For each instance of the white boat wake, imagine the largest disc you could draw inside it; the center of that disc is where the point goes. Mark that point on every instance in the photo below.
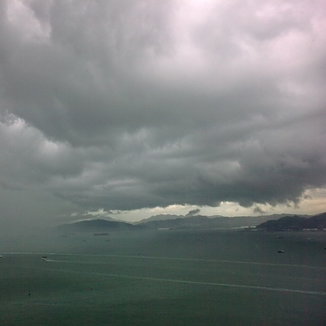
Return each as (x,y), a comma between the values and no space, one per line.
(203,283)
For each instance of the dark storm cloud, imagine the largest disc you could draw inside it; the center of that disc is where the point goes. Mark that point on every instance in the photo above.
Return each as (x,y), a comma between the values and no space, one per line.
(193,212)
(131,104)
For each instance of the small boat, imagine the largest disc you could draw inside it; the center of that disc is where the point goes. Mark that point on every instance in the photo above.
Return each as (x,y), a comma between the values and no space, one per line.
(281,251)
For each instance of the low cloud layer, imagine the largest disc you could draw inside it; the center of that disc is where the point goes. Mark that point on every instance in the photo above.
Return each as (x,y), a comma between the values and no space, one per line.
(123,105)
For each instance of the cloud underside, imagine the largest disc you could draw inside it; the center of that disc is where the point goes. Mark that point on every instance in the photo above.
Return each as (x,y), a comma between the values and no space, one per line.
(124,105)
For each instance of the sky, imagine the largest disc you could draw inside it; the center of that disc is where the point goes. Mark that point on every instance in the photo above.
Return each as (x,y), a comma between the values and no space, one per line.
(136,108)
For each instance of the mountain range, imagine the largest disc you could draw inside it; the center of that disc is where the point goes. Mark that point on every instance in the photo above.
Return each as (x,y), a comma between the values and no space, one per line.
(270,223)
(295,223)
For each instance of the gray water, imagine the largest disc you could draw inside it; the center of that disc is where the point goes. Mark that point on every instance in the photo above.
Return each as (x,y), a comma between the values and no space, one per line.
(164,278)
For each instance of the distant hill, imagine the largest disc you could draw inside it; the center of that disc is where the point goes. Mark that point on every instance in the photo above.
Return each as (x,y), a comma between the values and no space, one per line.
(162,222)
(295,223)
(97,225)
(179,222)
(89,217)
(289,222)
(200,221)
(161,217)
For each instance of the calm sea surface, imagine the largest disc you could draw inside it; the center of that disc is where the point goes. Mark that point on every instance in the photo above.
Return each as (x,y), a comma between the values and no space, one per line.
(164,278)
